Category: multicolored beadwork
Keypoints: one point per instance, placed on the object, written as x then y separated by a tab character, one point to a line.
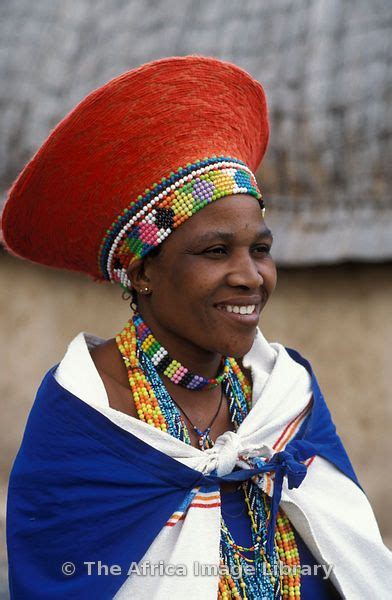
154	215
283	578
172	369
155	407
290	584
262	583
146	403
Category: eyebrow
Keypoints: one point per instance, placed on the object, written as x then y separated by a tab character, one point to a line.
228	236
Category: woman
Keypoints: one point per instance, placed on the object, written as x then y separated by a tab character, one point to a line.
153	464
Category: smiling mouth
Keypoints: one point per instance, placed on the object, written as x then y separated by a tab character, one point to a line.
248	309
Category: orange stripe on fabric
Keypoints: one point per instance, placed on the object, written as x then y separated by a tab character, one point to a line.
287	432
289	435
205	505
206	498
281	440
172	523
175	516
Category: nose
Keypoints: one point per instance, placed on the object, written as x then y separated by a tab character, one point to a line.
245	272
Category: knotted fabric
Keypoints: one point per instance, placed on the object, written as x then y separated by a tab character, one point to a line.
228	453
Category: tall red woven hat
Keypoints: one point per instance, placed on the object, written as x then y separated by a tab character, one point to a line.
135	159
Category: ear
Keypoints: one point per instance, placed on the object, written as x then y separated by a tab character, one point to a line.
137	275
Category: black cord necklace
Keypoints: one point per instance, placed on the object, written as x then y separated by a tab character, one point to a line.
204	439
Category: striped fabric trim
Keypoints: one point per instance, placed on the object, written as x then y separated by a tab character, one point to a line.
291	428
174	519
288	433
179	513
195	499
206	500
309	461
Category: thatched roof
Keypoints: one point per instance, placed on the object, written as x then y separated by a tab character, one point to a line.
324	66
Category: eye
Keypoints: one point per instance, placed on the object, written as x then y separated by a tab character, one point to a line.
215	250
262	249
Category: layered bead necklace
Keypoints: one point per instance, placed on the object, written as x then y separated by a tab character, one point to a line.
145	360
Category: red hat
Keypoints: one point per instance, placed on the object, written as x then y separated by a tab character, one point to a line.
135	159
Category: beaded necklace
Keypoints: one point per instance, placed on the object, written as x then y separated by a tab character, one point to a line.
155	407
171	368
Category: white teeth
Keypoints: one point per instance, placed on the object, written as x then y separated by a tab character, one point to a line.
242	310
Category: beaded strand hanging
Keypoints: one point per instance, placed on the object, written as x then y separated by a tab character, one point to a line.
155	407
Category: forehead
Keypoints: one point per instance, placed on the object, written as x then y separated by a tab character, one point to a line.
232	214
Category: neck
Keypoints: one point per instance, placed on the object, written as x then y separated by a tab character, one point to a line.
196	359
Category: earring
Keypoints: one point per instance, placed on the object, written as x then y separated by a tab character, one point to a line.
127	294
145	290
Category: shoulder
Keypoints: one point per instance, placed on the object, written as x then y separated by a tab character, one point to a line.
107	358
111	369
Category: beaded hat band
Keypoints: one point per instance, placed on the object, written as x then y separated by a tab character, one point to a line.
149	220
81	203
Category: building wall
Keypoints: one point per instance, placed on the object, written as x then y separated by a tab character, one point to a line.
338	317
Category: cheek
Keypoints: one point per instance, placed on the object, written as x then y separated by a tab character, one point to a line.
190	279
270	276
178	288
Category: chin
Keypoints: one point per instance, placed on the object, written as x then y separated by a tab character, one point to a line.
239	347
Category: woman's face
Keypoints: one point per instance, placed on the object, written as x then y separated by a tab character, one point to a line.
211	279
